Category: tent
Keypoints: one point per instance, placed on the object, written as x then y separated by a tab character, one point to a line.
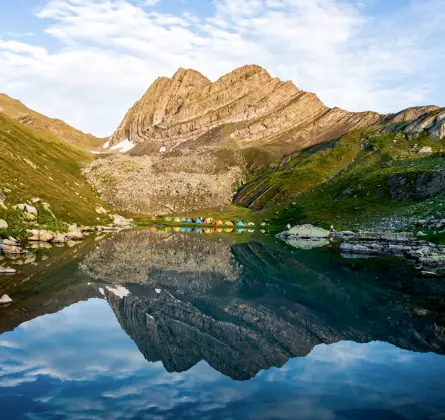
168	219
218	223
208	221
240	223
177	220
229	223
183	219
198	221
189	220
250	224
153	219
263	224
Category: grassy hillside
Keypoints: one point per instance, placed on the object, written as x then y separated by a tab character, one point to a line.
38	164
19	112
351	182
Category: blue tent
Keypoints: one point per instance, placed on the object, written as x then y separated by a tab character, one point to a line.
198	221
183	219
240	223
189	220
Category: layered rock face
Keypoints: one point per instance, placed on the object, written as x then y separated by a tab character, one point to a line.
186	126
255	110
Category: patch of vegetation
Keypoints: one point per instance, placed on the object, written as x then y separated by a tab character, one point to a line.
35	163
383	167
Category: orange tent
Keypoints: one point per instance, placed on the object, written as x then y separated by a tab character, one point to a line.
229	223
153	219
218	223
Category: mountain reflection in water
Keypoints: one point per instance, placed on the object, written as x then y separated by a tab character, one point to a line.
190	301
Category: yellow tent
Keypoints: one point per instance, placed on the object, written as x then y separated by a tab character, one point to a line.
177	220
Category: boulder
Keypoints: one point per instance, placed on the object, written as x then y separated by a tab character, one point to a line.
75	235
45	236
35	200
27	208
5	299
72	227
425	150
307	243
3	224
101	210
121	221
356	249
305	231
7	270
59	238
11	249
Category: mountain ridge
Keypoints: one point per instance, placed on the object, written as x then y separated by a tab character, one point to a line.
15	109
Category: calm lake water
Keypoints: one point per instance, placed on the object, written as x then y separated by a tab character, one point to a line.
164	325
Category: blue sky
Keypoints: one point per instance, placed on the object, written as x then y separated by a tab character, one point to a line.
88	61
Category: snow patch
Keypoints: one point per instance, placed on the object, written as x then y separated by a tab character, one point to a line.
119	291
163	149
96	153
106	145
123	146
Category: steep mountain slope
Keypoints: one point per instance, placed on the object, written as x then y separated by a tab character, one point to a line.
358	179
35	163
194	139
19	112
245	109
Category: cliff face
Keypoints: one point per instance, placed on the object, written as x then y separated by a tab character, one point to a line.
256	111
194	139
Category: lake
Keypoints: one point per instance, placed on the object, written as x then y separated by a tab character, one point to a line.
165	325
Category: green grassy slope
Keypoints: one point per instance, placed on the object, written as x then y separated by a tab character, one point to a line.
354	181
37	164
21	113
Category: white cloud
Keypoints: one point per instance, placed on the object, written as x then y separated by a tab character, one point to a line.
109	51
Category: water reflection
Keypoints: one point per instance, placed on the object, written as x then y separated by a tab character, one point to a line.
251	306
231	329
